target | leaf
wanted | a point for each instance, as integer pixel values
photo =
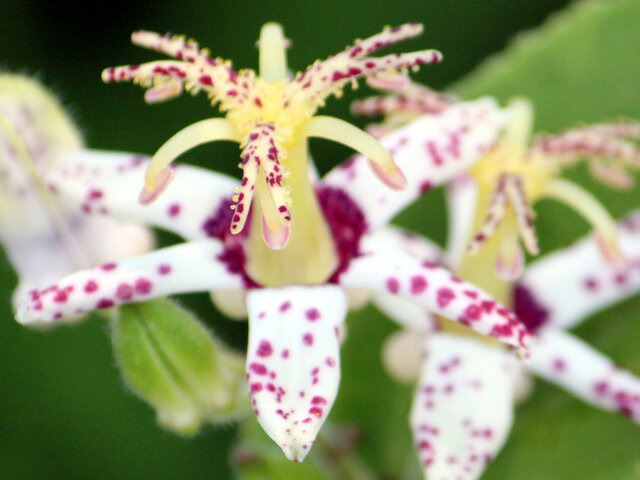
(580, 66)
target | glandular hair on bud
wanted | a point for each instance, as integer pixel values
(170, 360)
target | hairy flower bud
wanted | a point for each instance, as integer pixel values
(169, 359)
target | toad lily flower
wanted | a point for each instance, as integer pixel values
(43, 238)
(516, 174)
(271, 117)
(466, 388)
(295, 320)
(462, 411)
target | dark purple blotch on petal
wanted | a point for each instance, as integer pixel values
(528, 310)
(347, 224)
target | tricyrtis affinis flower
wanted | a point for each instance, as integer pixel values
(271, 116)
(44, 237)
(466, 388)
(295, 297)
(462, 410)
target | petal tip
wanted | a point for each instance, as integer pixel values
(295, 450)
(150, 194)
(395, 179)
(22, 316)
(609, 248)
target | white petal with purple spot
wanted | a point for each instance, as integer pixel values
(45, 239)
(293, 364)
(190, 267)
(568, 286)
(386, 269)
(463, 407)
(430, 151)
(105, 183)
(565, 360)
(406, 312)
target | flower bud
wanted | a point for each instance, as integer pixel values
(169, 359)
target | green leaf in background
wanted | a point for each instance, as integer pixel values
(580, 66)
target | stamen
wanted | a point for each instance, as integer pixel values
(158, 175)
(261, 155)
(275, 239)
(328, 77)
(408, 98)
(611, 175)
(163, 92)
(269, 212)
(495, 214)
(524, 214)
(585, 204)
(606, 148)
(389, 81)
(380, 159)
(196, 70)
(273, 53)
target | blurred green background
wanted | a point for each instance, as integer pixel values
(64, 412)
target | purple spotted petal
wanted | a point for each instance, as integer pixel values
(403, 311)
(42, 258)
(196, 266)
(385, 269)
(105, 183)
(293, 364)
(563, 359)
(431, 150)
(45, 239)
(406, 313)
(568, 286)
(463, 408)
